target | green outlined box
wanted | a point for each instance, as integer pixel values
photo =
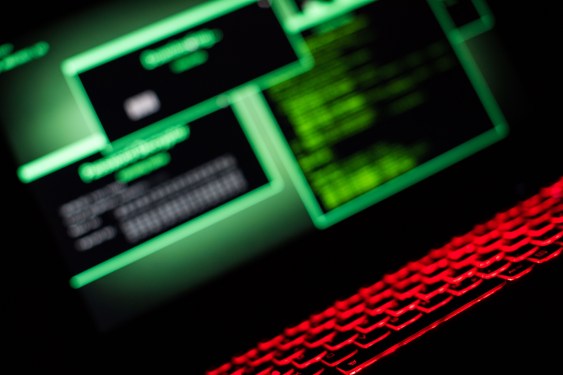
(428, 107)
(461, 31)
(233, 174)
(183, 67)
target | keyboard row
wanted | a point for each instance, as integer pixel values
(357, 331)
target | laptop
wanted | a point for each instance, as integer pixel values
(191, 183)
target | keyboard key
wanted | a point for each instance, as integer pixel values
(510, 224)
(239, 371)
(372, 322)
(493, 269)
(407, 288)
(283, 370)
(462, 287)
(515, 243)
(540, 225)
(459, 242)
(557, 214)
(400, 307)
(548, 237)
(351, 322)
(491, 242)
(486, 259)
(378, 304)
(435, 271)
(399, 322)
(427, 306)
(242, 359)
(267, 357)
(320, 338)
(546, 253)
(463, 260)
(284, 358)
(308, 357)
(298, 329)
(261, 359)
(328, 324)
(404, 274)
(221, 369)
(374, 289)
(516, 270)
(521, 253)
(335, 357)
(262, 369)
(459, 274)
(269, 344)
(322, 317)
(289, 342)
(340, 340)
(349, 303)
(518, 231)
(430, 290)
(315, 369)
(365, 340)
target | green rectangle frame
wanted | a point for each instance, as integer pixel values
(457, 39)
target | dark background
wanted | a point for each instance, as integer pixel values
(516, 329)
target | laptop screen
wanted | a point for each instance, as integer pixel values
(181, 140)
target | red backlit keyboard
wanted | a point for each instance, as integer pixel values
(356, 332)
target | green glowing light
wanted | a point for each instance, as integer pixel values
(140, 150)
(484, 23)
(143, 167)
(286, 10)
(188, 44)
(251, 126)
(61, 158)
(188, 62)
(10, 61)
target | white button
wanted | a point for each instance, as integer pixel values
(141, 105)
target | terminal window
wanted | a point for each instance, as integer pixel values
(389, 101)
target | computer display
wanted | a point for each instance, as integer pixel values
(182, 140)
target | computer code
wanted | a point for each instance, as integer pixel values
(382, 100)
